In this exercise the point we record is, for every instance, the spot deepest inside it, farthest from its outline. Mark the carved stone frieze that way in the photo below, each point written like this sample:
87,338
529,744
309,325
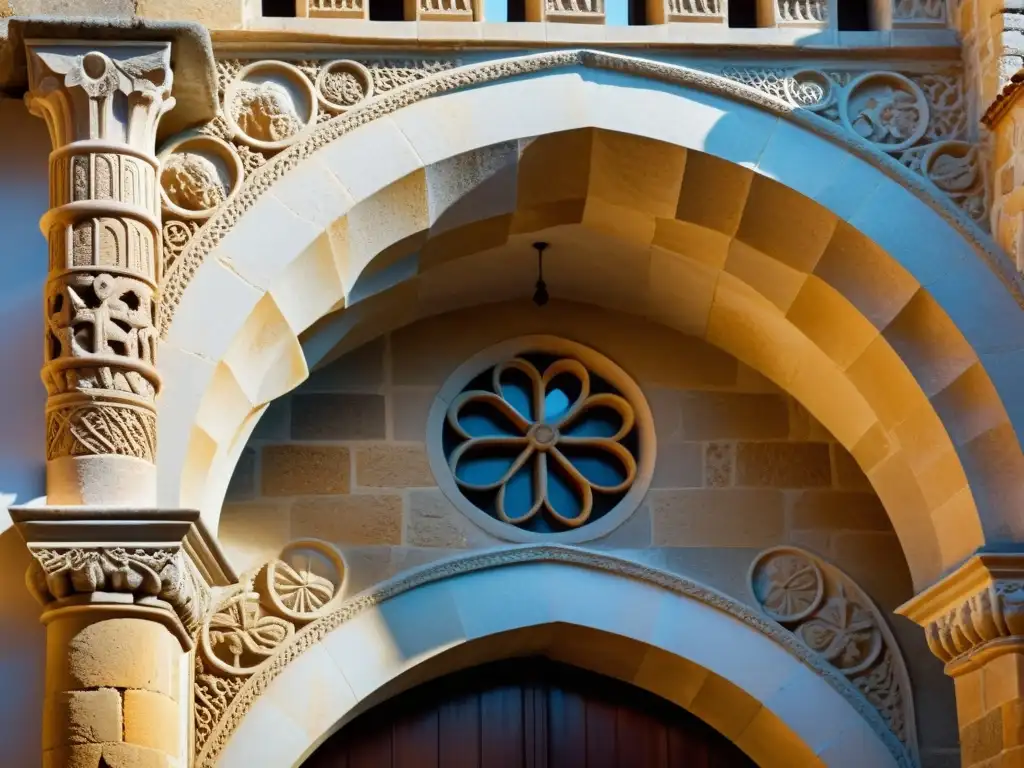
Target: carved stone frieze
164,574
397,84
834,618
102,108
288,606
974,613
162,562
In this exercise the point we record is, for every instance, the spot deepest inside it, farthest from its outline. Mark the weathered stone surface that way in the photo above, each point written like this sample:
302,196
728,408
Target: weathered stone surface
733,415
134,756
296,470
846,472
338,417
74,756
410,407
116,653
679,465
836,510
783,465
215,14
393,466
361,370
82,717
252,533
109,9
151,720
432,521
876,562
719,459
717,518
982,739
243,479
359,519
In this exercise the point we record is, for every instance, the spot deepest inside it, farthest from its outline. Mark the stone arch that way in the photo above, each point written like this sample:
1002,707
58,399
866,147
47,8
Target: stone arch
848,263
679,639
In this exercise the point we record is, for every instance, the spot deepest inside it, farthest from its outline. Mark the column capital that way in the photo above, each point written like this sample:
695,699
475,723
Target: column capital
974,613
111,92
160,563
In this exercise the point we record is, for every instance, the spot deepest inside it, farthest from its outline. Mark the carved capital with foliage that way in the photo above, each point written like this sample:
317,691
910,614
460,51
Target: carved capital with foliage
160,563
974,613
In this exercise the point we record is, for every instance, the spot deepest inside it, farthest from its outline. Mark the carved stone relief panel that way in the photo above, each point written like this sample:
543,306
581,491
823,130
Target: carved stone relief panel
920,120
835,619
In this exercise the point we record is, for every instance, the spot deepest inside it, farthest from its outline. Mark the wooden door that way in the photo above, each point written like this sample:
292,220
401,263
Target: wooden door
527,713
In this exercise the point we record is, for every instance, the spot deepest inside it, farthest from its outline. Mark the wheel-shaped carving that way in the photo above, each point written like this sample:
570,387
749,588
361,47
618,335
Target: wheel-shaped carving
270,105
788,586
886,109
343,84
198,174
304,581
810,89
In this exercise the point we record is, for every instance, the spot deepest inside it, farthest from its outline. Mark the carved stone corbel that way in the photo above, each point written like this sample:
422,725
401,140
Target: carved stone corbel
975,613
161,564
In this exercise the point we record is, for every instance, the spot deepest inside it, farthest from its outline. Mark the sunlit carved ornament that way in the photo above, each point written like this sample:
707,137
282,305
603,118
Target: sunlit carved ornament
835,619
548,439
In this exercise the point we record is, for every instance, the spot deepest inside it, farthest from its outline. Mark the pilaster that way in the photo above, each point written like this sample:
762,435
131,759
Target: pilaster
974,622
102,106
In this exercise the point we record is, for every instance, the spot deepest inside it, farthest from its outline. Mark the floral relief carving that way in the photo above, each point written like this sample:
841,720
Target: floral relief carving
256,619
837,621
994,613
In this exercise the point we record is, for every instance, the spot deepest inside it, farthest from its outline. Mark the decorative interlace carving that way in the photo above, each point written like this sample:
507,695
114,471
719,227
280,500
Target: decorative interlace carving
256,619
556,432
835,619
223,700
163,574
919,120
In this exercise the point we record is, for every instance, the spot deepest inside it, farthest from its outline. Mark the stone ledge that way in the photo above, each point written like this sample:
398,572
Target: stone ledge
195,79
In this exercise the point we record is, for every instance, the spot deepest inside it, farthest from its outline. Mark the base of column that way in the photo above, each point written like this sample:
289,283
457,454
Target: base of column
100,480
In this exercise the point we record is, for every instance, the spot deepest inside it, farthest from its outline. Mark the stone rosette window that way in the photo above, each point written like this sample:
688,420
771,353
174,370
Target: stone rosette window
542,438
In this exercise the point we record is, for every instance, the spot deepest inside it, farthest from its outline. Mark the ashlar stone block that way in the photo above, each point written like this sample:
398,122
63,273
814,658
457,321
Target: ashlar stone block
296,470
393,466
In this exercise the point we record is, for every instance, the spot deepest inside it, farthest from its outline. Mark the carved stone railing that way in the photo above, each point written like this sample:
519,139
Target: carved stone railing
281,610
836,619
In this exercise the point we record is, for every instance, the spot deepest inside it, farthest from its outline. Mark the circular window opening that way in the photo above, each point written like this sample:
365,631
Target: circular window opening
542,438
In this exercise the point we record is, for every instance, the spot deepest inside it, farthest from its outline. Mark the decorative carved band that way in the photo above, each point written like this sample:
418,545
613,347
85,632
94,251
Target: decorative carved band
193,242
164,574
267,621
973,613
103,228
994,614
834,618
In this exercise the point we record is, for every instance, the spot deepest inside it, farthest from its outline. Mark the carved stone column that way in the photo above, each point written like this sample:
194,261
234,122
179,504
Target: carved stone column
974,621
124,592
102,106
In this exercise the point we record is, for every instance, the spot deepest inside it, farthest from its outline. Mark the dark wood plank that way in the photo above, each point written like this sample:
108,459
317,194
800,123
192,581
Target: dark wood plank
601,736
641,740
567,729
501,728
459,732
372,749
415,740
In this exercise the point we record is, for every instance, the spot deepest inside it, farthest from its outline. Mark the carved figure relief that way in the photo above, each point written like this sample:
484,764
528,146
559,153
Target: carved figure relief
270,104
836,620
